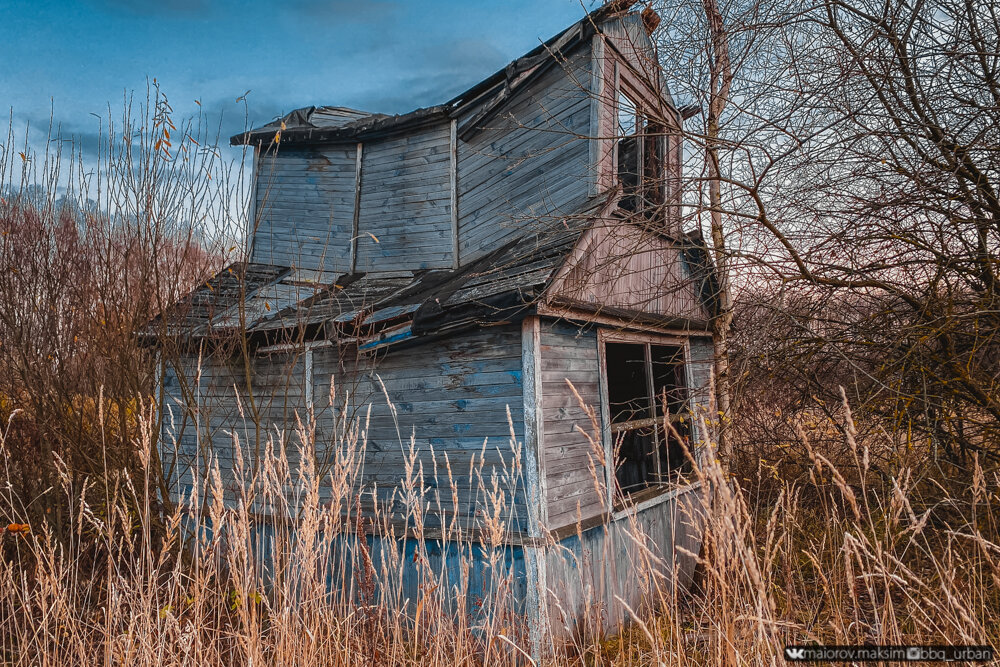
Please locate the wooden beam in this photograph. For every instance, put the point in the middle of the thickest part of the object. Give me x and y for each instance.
(252, 209)
(606, 443)
(570, 309)
(357, 209)
(308, 362)
(453, 178)
(534, 433)
(535, 557)
(597, 102)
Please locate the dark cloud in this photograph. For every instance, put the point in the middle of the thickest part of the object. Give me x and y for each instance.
(86, 135)
(436, 74)
(86, 143)
(51, 131)
(224, 117)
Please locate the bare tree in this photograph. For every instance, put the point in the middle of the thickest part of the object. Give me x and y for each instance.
(859, 172)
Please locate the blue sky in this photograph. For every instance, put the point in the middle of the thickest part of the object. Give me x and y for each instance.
(77, 57)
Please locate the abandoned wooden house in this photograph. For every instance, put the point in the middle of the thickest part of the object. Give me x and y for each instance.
(492, 267)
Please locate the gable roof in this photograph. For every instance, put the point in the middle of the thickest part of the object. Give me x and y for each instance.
(330, 124)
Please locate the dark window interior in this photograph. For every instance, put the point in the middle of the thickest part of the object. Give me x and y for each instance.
(670, 398)
(629, 400)
(640, 156)
(667, 363)
(628, 144)
(639, 376)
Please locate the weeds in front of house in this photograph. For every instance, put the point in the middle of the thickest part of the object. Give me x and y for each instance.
(847, 554)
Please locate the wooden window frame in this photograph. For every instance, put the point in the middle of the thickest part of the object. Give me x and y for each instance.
(638, 95)
(653, 495)
(613, 71)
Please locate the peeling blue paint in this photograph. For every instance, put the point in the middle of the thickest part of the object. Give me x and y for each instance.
(388, 340)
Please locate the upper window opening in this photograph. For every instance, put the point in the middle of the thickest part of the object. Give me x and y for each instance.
(646, 386)
(628, 397)
(628, 116)
(639, 152)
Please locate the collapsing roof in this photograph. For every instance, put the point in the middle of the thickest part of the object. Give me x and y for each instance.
(380, 309)
(276, 306)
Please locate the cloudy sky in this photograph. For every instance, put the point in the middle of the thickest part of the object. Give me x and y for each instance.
(77, 57)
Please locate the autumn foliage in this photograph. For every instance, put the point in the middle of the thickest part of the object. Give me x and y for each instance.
(75, 286)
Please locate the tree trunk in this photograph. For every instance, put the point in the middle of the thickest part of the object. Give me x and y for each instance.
(720, 81)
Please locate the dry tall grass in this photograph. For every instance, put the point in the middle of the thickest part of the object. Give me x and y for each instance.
(848, 555)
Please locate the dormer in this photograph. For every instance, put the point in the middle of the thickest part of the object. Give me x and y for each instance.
(637, 148)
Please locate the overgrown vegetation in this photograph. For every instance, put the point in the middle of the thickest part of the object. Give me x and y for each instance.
(863, 546)
(91, 247)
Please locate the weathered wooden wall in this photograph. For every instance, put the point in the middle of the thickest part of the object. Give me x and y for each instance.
(204, 432)
(530, 164)
(450, 397)
(306, 199)
(405, 214)
(570, 354)
(593, 574)
(304, 207)
(534, 159)
(178, 441)
(621, 266)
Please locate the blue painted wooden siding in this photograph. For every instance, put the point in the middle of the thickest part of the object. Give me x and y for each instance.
(305, 200)
(567, 353)
(405, 214)
(532, 163)
(596, 573)
(304, 203)
(178, 440)
(450, 397)
(204, 423)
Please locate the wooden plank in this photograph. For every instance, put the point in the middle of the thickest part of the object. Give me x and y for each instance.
(453, 191)
(537, 143)
(566, 351)
(534, 425)
(355, 229)
(597, 103)
(605, 422)
(405, 219)
(303, 200)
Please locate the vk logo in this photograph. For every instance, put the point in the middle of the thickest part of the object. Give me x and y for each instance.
(795, 653)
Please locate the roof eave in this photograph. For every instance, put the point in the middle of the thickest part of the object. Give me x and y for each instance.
(368, 128)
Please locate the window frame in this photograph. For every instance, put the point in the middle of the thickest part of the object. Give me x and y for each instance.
(618, 74)
(616, 503)
(642, 124)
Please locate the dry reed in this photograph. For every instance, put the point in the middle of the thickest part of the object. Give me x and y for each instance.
(847, 557)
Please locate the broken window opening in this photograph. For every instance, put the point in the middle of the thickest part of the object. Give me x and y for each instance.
(640, 157)
(646, 387)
